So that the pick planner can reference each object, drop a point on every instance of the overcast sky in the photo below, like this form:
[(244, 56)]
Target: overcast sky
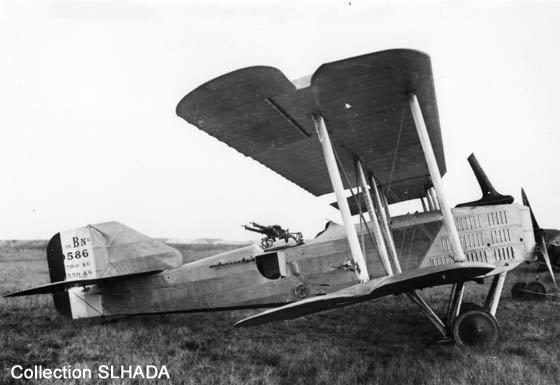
[(88, 93)]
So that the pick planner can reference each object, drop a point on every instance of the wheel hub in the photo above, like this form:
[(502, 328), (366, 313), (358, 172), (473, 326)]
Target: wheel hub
[(475, 328)]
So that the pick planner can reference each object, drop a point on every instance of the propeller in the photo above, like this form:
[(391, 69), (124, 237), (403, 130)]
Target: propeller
[(539, 236)]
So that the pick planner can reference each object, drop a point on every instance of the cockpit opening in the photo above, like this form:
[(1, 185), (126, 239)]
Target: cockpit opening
[(271, 265)]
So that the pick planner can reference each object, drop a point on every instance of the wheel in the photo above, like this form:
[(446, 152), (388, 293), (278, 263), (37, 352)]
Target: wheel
[(536, 290), (466, 306), (518, 290), (476, 328)]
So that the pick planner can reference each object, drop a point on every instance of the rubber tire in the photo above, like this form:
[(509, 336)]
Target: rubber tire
[(518, 290), (466, 306), (476, 329), (539, 288)]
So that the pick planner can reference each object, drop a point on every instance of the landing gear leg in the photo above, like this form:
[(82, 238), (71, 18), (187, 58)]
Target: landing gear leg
[(479, 327), (454, 307), (468, 325), (427, 310), (495, 293)]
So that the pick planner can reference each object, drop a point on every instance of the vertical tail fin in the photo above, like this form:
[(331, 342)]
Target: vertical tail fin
[(57, 273), (83, 258)]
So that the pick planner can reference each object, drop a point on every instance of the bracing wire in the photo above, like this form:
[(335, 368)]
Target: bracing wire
[(397, 147), (362, 223)]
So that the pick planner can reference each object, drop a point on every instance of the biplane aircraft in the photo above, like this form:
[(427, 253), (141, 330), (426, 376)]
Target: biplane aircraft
[(365, 128)]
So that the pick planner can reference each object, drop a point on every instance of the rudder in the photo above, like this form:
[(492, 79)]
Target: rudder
[(55, 260)]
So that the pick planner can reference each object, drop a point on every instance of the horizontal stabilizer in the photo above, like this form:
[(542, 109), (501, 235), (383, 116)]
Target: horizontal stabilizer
[(395, 284), (64, 285)]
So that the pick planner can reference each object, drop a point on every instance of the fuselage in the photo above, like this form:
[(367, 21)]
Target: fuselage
[(250, 277)]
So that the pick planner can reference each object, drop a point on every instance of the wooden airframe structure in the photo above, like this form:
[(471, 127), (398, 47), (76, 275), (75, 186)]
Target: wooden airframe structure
[(367, 125)]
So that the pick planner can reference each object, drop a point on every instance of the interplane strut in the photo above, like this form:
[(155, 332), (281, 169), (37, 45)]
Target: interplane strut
[(379, 241), (436, 178), (384, 219), (338, 188)]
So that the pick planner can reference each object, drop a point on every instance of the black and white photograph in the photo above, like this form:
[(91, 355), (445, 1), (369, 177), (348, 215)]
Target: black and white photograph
[(279, 192)]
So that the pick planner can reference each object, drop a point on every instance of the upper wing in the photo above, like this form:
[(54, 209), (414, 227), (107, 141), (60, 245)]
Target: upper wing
[(394, 284), (260, 113)]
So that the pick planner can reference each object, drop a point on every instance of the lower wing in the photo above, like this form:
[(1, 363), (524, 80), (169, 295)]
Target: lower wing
[(394, 284)]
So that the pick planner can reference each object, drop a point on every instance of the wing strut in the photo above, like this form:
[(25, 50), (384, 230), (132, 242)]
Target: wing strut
[(432, 194), (379, 241), (436, 178), (424, 208), (338, 188), (381, 206), (386, 207), (431, 206)]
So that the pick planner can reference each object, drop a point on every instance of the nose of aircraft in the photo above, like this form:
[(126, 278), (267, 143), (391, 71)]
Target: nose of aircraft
[(539, 237)]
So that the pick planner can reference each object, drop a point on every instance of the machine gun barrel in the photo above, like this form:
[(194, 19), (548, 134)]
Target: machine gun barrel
[(269, 231), (249, 228), (259, 226), (272, 233)]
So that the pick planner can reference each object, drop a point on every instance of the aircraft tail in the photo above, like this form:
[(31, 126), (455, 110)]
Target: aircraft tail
[(81, 259), (57, 273)]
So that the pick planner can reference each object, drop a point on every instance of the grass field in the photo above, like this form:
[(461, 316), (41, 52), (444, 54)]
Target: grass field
[(382, 342)]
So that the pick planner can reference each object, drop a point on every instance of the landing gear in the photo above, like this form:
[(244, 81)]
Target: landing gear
[(536, 290), (518, 290), (467, 324), (466, 306), (475, 328)]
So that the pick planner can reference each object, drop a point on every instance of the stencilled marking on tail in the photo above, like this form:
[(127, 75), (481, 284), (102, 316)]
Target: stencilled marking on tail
[(79, 259)]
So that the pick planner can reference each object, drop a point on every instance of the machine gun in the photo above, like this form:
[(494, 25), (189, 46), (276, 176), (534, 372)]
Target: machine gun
[(272, 233)]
